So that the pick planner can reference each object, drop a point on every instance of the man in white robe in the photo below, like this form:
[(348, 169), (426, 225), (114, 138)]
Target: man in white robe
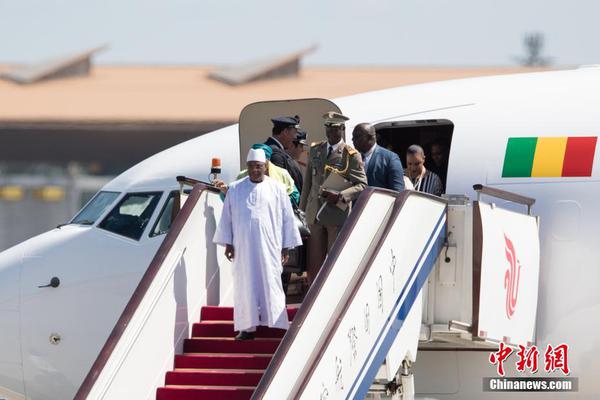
[(257, 228)]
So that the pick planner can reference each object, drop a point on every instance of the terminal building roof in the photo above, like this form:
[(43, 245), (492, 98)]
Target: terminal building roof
[(78, 64), (170, 94)]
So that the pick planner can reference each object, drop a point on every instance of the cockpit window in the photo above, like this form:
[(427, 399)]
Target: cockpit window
[(95, 208), (165, 219), (163, 223), (130, 217)]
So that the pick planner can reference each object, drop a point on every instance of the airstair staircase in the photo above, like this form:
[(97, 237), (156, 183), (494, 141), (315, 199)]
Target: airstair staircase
[(368, 307), (216, 366)]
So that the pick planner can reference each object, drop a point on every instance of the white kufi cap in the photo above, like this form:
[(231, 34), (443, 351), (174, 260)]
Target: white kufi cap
[(256, 155)]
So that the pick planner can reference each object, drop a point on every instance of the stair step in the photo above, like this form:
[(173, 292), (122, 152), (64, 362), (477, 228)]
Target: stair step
[(215, 365), (205, 392), (230, 345), (213, 313), (225, 329), (225, 360), (214, 377)]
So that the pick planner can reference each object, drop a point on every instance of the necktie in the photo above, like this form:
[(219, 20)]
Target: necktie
[(329, 151)]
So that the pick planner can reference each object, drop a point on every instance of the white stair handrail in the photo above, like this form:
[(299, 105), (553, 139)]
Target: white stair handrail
[(271, 385)]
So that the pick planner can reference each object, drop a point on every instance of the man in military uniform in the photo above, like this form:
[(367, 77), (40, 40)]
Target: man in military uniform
[(326, 210), (285, 131)]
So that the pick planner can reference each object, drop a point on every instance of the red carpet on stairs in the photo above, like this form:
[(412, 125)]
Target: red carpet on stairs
[(214, 365)]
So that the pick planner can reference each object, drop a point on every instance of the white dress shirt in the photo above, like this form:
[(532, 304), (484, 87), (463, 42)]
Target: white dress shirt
[(334, 147)]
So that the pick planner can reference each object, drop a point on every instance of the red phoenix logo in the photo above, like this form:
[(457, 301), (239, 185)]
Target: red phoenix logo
[(511, 277)]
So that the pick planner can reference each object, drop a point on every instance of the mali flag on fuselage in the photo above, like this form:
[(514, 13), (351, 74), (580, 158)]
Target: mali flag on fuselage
[(544, 157)]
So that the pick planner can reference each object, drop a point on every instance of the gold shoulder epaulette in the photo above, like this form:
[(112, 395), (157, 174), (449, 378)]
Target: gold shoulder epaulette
[(313, 144), (352, 151)]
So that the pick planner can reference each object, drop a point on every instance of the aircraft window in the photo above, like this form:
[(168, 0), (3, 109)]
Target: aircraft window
[(95, 208), (130, 217), (165, 219), (163, 224)]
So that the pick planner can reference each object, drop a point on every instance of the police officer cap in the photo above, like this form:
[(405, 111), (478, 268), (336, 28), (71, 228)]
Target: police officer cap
[(333, 118), (301, 137), (286, 122)]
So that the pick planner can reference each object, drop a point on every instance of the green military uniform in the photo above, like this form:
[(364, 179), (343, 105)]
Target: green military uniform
[(347, 161), (325, 221)]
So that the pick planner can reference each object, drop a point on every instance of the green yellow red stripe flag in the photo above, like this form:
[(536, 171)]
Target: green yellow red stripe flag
[(545, 157)]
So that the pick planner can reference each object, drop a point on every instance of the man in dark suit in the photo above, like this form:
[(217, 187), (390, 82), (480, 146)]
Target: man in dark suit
[(285, 131), (383, 167)]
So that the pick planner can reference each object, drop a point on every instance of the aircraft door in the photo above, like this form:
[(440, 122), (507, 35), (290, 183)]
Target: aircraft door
[(255, 120), (433, 135), (506, 267)]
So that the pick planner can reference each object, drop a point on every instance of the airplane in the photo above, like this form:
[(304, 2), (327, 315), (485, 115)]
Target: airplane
[(62, 292)]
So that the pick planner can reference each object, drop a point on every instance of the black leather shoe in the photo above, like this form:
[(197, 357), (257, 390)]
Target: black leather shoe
[(243, 335)]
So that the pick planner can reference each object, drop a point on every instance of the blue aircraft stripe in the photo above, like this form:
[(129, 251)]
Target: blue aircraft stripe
[(398, 320)]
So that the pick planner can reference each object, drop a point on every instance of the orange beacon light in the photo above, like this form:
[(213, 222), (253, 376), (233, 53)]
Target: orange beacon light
[(215, 168)]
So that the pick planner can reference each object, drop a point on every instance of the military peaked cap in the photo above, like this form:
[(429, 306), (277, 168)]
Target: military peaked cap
[(301, 137), (285, 122), (333, 118)]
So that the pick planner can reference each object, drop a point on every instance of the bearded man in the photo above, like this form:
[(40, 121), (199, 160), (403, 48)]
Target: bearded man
[(257, 228)]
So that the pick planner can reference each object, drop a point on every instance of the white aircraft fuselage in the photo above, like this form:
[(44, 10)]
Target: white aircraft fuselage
[(51, 336)]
